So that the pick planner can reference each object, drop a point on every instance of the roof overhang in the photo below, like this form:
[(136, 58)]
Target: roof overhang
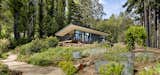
[(72, 27)]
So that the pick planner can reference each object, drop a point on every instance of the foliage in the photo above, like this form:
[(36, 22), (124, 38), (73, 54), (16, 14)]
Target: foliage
[(67, 67), (4, 44), (37, 45), (157, 68), (52, 56), (32, 47), (135, 34), (4, 55), (111, 68), (41, 59), (50, 26), (52, 41), (4, 69), (18, 42), (114, 26)]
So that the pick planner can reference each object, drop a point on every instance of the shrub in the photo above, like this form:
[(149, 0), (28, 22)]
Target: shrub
[(112, 68), (51, 56), (37, 45), (4, 44), (42, 59), (52, 41), (4, 69), (32, 47), (18, 42), (4, 55), (135, 34), (67, 67)]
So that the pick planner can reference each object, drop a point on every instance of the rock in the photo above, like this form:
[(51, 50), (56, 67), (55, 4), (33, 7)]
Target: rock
[(77, 55)]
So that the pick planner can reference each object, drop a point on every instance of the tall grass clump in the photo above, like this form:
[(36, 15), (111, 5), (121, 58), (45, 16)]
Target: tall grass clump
[(67, 67), (111, 68)]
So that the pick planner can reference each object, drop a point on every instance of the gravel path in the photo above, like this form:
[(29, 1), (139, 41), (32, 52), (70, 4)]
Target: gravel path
[(28, 69)]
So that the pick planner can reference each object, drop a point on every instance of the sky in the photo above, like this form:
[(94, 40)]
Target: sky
[(112, 7)]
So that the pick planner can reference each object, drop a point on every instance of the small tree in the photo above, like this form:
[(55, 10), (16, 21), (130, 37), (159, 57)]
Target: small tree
[(134, 34)]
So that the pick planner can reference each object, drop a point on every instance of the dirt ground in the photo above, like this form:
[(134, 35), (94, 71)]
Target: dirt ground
[(140, 66)]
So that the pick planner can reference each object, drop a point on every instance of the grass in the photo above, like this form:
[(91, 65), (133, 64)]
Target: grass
[(111, 68), (116, 53)]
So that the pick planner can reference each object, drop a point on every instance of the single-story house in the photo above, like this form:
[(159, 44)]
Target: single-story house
[(80, 34)]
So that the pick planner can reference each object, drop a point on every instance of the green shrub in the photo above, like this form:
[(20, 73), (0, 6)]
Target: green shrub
[(4, 55), (42, 59), (18, 42), (4, 44), (4, 69), (157, 68), (52, 41), (37, 45), (33, 47), (51, 56), (135, 34), (111, 68), (67, 67)]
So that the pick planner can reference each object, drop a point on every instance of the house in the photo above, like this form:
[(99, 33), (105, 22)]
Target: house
[(82, 34)]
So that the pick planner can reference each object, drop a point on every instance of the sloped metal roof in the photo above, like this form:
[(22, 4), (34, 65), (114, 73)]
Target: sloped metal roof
[(72, 27)]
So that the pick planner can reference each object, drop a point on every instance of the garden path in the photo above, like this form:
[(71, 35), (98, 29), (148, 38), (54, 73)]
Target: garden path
[(28, 69)]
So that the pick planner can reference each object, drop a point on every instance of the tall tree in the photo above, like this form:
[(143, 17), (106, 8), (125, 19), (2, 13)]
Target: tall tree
[(15, 6), (32, 18), (41, 16)]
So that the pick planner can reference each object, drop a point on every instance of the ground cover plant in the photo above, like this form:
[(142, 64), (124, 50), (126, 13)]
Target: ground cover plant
[(67, 67), (112, 68)]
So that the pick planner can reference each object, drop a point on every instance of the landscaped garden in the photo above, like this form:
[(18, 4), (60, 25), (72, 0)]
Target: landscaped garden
[(79, 37)]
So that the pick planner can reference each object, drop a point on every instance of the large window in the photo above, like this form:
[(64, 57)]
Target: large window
[(86, 37)]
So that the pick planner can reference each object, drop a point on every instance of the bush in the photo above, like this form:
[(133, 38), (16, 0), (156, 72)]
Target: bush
[(32, 47), (135, 34), (42, 59), (37, 45), (67, 67), (51, 56), (18, 42), (52, 41), (4, 55), (4, 69), (4, 44), (112, 68)]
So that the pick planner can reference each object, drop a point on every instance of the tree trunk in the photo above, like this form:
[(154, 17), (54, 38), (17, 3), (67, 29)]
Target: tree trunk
[(41, 18), (146, 22), (31, 20), (15, 26), (156, 28)]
